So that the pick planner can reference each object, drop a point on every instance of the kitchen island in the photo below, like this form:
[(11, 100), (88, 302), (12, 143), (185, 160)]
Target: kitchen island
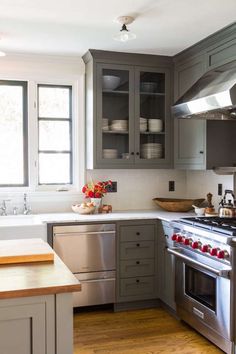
[(36, 313)]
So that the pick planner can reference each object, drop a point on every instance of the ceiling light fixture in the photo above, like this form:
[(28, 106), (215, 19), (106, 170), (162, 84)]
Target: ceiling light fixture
[(124, 35)]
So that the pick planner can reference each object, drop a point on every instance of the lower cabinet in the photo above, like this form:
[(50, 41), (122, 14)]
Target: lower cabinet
[(136, 261), (36, 325), (166, 265)]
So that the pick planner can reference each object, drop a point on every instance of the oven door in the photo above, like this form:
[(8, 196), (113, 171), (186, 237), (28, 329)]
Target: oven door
[(202, 293)]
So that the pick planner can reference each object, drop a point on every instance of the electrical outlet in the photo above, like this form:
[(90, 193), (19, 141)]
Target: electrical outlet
[(112, 188), (171, 186), (220, 188)]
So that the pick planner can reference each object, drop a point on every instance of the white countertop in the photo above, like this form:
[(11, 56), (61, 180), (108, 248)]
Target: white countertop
[(114, 216), (40, 219)]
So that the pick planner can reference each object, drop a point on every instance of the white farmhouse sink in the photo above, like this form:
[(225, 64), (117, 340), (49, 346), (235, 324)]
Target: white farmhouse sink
[(22, 226), (21, 220)]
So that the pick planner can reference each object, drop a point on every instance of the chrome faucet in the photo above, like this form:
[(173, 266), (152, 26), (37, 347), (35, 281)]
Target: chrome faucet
[(26, 207), (4, 207)]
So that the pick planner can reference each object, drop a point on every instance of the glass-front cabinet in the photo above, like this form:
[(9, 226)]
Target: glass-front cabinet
[(127, 111)]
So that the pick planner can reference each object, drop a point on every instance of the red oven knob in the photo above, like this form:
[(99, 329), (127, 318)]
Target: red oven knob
[(214, 251), (174, 237), (204, 248), (222, 254), (187, 241), (179, 238), (195, 244)]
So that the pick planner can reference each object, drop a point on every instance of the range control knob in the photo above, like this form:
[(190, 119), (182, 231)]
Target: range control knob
[(174, 237), (179, 238), (195, 245), (213, 251), (204, 248), (187, 241), (222, 254)]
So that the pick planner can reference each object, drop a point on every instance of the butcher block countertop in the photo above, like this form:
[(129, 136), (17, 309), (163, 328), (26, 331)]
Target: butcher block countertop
[(36, 278)]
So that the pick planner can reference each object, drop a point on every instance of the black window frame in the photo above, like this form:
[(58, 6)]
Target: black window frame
[(24, 85), (70, 152)]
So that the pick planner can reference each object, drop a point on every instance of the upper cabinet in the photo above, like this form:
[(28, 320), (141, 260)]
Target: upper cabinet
[(127, 110), (201, 144)]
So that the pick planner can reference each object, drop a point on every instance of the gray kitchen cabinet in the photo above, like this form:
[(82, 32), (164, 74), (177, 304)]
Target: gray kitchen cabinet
[(166, 266), (116, 137), (136, 261), (189, 135), (36, 325), (200, 144)]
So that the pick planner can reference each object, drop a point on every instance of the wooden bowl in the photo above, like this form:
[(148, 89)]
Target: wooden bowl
[(177, 205)]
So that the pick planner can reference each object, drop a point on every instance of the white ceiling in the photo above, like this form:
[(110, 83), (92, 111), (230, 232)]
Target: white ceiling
[(71, 27)]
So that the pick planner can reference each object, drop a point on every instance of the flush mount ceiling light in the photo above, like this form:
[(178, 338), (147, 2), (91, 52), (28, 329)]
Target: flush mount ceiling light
[(124, 35)]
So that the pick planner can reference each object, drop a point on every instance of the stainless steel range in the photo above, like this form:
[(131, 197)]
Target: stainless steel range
[(204, 249)]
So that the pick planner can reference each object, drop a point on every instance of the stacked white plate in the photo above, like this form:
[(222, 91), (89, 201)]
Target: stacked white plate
[(143, 124), (110, 153), (105, 124), (151, 151), (155, 125), (119, 125)]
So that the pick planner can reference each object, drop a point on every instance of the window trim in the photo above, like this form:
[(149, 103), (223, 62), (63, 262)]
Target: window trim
[(25, 103), (70, 120)]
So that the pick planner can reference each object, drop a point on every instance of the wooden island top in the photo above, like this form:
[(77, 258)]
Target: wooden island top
[(35, 278)]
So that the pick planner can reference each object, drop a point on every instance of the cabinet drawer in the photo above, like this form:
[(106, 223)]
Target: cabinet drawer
[(135, 250), (137, 232), (138, 286), (137, 267)]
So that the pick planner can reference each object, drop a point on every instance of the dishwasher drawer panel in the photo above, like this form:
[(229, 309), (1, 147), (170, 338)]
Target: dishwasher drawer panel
[(97, 289), (137, 232), (134, 250), (86, 252), (138, 286), (137, 267)]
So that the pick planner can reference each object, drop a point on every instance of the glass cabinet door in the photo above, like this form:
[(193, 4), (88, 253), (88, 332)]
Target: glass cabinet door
[(150, 117), (115, 102)]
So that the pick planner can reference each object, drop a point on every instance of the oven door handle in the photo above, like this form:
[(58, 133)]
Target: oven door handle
[(225, 273)]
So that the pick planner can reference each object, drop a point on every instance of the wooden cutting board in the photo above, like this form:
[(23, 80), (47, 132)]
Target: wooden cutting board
[(25, 251)]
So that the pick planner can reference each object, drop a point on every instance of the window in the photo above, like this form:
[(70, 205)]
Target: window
[(13, 134), (55, 134)]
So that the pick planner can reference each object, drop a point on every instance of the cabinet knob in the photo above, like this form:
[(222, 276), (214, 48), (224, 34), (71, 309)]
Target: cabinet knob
[(137, 262), (137, 280), (137, 244), (137, 233), (137, 153), (201, 152), (132, 153)]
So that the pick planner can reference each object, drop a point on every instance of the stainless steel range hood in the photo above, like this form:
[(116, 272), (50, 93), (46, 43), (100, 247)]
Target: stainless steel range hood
[(213, 96)]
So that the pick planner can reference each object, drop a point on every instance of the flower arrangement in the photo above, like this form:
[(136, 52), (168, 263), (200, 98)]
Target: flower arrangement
[(95, 190)]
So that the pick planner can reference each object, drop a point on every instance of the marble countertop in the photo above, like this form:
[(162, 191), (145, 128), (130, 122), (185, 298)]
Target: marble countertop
[(40, 219)]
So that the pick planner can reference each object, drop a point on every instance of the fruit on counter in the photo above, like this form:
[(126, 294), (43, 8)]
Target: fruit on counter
[(86, 205)]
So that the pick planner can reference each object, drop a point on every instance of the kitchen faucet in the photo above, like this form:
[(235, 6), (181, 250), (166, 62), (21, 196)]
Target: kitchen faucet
[(4, 207), (26, 207)]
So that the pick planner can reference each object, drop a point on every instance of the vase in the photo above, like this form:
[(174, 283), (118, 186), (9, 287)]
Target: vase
[(97, 202)]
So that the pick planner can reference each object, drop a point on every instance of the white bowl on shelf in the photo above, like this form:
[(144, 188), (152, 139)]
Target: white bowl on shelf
[(148, 86), (110, 82), (155, 125)]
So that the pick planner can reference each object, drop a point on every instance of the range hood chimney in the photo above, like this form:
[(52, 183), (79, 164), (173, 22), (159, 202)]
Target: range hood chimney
[(213, 96)]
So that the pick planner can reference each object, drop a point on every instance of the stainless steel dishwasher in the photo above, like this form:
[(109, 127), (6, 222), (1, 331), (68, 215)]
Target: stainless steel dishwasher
[(89, 252)]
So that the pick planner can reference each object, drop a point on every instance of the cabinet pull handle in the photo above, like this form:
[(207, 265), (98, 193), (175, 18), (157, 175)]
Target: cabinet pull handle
[(132, 153), (137, 233), (201, 152), (137, 153), (137, 262), (137, 244), (137, 280)]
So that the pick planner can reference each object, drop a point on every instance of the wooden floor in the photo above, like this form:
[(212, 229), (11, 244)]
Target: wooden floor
[(136, 332)]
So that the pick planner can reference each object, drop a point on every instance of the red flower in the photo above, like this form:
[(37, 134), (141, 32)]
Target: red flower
[(95, 190), (84, 189), (91, 194)]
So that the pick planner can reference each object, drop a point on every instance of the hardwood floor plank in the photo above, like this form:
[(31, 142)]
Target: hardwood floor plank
[(148, 331)]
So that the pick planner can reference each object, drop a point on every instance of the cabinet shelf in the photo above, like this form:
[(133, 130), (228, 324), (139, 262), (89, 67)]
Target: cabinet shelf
[(152, 133), (115, 132), (152, 94), (116, 92)]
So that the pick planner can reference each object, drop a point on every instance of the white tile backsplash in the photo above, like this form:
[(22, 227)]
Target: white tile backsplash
[(137, 188)]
